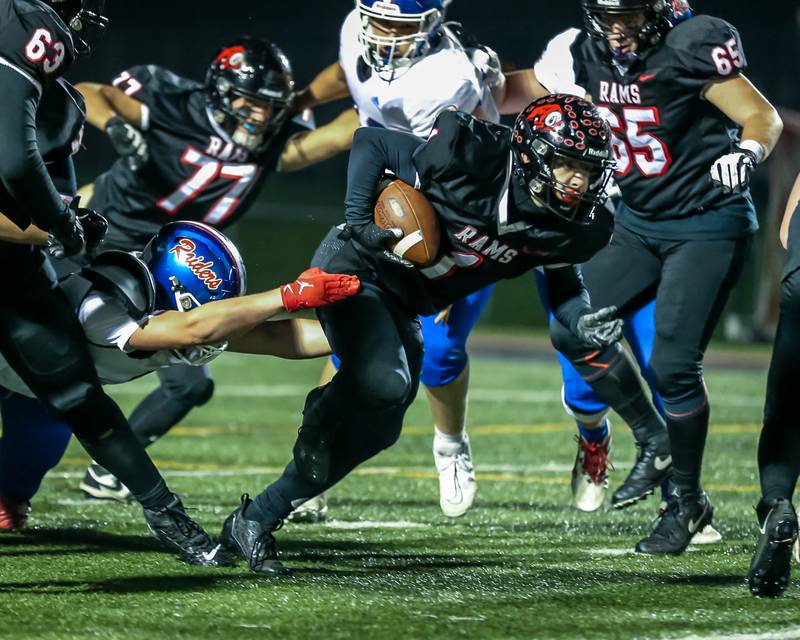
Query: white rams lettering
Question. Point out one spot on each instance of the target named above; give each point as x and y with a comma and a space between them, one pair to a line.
615, 93
227, 151
486, 245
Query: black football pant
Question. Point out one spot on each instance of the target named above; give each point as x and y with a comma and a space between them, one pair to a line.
380, 347
42, 340
691, 281
779, 444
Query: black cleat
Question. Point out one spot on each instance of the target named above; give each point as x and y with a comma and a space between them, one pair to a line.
253, 541
652, 467
312, 454
174, 528
683, 517
771, 564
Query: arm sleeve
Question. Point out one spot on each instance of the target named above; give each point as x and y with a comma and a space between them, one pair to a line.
555, 70
105, 321
22, 170
566, 294
376, 151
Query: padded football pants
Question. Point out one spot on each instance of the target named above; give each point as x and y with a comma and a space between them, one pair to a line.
691, 281
779, 444
380, 347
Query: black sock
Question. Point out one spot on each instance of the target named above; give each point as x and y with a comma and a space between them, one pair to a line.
687, 423
120, 453
157, 414
612, 376
778, 460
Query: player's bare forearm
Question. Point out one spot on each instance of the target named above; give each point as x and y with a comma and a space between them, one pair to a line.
9, 232
294, 339
311, 147
212, 323
104, 102
521, 88
738, 99
791, 207
330, 84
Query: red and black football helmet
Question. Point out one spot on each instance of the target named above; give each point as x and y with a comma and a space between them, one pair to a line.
568, 127
255, 69
659, 17
85, 19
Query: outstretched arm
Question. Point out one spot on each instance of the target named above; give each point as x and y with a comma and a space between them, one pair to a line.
104, 102
330, 84
221, 320
293, 339
310, 147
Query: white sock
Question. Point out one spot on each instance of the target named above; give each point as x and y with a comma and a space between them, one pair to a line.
446, 444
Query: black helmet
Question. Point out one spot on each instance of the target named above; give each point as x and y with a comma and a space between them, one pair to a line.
659, 17
85, 20
256, 69
568, 127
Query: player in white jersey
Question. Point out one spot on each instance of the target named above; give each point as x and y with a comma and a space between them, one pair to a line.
182, 301
402, 65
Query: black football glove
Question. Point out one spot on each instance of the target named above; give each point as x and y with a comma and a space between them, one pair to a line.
599, 328
66, 235
95, 227
371, 236
128, 142
731, 172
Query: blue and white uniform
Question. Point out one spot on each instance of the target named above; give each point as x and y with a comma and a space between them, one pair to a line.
410, 101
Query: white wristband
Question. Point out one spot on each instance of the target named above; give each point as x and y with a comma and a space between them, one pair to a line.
756, 148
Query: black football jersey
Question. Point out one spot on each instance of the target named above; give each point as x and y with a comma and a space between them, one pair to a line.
59, 131
666, 135
34, 41
194, 171
490, 229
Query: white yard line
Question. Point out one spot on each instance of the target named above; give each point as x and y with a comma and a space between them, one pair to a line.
375, 524
792, 633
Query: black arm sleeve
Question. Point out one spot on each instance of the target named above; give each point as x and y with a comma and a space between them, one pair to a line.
566, 294
22, 171
374, 152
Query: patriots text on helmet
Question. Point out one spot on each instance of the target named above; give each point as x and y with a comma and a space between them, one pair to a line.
184, 250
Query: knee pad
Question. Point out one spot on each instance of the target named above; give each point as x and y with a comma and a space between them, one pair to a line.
390, 389
194, 393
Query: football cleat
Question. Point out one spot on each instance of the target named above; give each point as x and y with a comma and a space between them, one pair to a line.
590, 473
101, 484
13, 514
652, 467
311, 511
677, 525
706, 535
253, 541
457, 486
771, 565
172, 526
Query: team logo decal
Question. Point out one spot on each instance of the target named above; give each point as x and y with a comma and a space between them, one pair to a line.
231, 58
185, 251
547, 117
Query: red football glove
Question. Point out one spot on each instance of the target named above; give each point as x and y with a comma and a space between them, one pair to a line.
315, 288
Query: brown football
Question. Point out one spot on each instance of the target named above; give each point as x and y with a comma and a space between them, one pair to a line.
401, 206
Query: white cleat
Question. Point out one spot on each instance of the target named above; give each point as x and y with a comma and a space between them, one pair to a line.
457, 484
312, 511
590, 473
707, 535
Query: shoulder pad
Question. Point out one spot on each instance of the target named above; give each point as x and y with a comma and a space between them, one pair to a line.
124, 276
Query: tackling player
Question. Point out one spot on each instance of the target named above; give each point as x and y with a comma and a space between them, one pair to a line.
182, 301
779, 445
401, 64
39, 335
507, 201
200, 151
688, 129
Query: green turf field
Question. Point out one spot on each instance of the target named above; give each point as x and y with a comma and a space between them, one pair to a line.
522, 564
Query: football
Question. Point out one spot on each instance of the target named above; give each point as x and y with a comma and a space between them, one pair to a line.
401, 206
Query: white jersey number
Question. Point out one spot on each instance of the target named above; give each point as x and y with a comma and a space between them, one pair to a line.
209, 171
632, 146
38, 47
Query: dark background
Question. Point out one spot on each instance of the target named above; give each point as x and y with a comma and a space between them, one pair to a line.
278, 235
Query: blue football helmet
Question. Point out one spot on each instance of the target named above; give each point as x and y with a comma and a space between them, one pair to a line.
395, 33
193, 263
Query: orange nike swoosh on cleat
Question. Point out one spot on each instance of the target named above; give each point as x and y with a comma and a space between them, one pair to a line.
647, 76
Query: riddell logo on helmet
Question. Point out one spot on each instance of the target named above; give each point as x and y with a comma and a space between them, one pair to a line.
546, 117
185, 252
